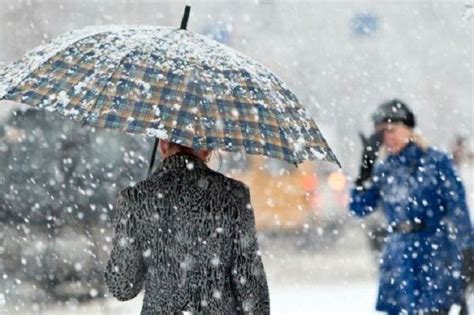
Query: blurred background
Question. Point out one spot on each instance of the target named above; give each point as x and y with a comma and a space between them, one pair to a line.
58, 181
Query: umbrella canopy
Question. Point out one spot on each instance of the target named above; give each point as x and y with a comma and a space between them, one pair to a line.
170, 84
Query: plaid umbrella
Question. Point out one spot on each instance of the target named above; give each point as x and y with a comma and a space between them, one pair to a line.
166, 83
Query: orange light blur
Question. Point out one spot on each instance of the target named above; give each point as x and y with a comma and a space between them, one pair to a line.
309, 183
337, 181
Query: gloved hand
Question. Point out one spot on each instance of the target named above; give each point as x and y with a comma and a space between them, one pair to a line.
468, 265
371, 147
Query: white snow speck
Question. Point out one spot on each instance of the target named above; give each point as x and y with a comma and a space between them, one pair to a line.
157, 133
215, 261
157, 111
63, 98
147, 253
216, 294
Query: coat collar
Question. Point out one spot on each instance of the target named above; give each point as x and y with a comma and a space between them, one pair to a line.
411, 152
181, 161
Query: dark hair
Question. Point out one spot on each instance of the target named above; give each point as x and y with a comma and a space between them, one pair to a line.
182, 148
394, 111
186, 150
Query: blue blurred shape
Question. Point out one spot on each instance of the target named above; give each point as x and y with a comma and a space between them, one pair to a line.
217, 32
365, 24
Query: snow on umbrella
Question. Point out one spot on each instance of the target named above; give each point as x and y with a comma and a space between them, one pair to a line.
169, 84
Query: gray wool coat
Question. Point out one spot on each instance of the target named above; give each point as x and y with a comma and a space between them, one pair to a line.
187, 235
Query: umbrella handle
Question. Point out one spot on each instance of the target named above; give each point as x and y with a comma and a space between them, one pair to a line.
153, 154
184, 21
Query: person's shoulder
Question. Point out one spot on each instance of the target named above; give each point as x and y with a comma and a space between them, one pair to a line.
437, 155
130, 193
232, 185
152, 183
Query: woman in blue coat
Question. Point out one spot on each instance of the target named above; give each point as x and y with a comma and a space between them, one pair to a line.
424, 202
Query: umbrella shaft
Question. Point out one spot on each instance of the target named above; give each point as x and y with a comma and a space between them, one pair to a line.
184, 21
153, 154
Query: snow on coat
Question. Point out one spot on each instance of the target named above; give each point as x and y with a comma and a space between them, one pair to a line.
420, 270
187, 234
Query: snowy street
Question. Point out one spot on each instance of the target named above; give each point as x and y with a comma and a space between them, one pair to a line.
337, 280
333, 299
352, 298
313, 156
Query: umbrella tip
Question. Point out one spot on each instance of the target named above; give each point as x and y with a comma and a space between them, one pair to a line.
184, 21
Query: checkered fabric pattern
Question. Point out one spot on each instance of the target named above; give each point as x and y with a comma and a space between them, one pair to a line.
166, 83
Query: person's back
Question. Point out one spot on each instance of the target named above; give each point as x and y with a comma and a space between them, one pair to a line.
188, 234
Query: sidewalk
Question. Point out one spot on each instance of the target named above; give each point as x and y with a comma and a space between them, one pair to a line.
337, 278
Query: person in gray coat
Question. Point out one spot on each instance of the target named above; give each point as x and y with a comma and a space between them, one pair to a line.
187, 235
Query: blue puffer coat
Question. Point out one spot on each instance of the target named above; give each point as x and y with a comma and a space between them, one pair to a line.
420, 270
